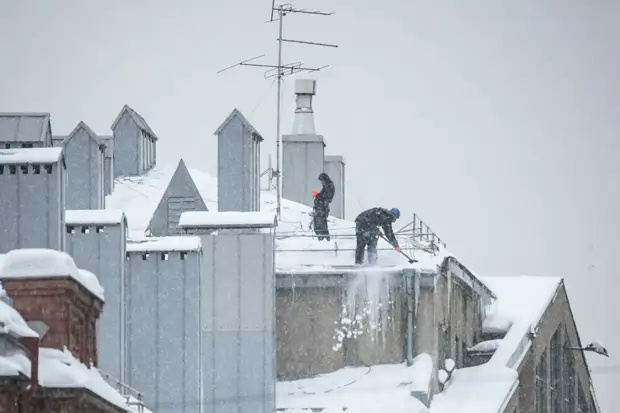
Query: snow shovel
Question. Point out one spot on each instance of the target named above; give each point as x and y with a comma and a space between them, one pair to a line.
411, 260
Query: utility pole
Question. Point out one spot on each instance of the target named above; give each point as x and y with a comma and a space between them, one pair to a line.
279, 71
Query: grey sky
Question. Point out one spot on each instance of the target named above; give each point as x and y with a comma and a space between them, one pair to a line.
498, 123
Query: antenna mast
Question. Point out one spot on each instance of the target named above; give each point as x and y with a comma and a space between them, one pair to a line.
279, 71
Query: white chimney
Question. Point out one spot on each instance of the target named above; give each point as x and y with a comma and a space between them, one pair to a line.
304, 115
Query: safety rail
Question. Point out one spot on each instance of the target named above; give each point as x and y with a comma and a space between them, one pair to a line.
132, 396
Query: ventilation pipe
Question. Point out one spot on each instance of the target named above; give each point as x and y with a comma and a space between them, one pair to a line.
303, 123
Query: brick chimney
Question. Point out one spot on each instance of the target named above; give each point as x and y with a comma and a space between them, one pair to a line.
57, 301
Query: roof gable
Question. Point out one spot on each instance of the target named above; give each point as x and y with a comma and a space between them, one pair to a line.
25, 127
89, 132
181, 185
237, 114
139, 121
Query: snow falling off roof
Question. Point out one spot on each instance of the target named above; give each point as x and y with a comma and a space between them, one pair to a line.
522, 300
30, 156
480, 389
40, 263
231, 219
94, 216
59, 369
356, 390
139, 196
164, 244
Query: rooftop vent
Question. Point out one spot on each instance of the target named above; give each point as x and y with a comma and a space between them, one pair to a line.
304, 115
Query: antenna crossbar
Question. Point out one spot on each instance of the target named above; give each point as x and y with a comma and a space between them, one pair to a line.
309, 43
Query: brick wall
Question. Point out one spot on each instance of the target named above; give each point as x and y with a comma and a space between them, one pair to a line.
67, 307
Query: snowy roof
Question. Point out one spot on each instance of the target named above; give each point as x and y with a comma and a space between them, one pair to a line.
43, 263
94, 216
479, 389
24, 127
522, 301
296, 243
31, 155
358, 390
136, 118
91, 134
59, 369
11, 322
520, 305
164, 244
237, 114
230, 219
139, 196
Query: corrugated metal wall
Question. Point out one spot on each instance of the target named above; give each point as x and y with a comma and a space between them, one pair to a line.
163, 328
238, 312
100, 249
32, 206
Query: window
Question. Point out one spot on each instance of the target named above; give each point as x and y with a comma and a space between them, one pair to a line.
99, 229
36, 169
7, 146
164, 256
85, 230
48, 169
1, 169
24, 169
555, 377
582, 405
70, 229
12, 169
145, 256
26, 145
569, 381
183, 254
541, 384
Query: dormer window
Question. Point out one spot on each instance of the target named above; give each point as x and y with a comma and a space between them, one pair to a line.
36, 169
48, 169
12, 169
24, 169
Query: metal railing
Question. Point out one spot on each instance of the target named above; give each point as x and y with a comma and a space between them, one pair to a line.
133, 397
420, 231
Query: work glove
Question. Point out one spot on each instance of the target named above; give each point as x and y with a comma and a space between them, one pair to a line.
397, 248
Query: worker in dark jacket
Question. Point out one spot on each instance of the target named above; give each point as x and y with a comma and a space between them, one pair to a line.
321, 206
367, 230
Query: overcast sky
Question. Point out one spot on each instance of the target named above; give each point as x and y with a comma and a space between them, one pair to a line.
498, 124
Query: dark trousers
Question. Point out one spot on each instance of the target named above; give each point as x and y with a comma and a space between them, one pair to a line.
366, 237
320, 224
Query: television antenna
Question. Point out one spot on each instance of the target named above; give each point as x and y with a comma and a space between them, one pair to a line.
279, 71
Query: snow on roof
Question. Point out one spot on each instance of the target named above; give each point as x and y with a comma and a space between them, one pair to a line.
479, 389
356, 390
30, 155
522, 300
296, 243
94, 216
139, 196
230, 219
59, 369
11, 322
164, 244
38, 263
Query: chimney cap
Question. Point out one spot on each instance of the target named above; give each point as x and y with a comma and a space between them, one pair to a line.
45, 263
305, 87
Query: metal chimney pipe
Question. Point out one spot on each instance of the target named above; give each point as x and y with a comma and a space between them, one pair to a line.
304, 114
